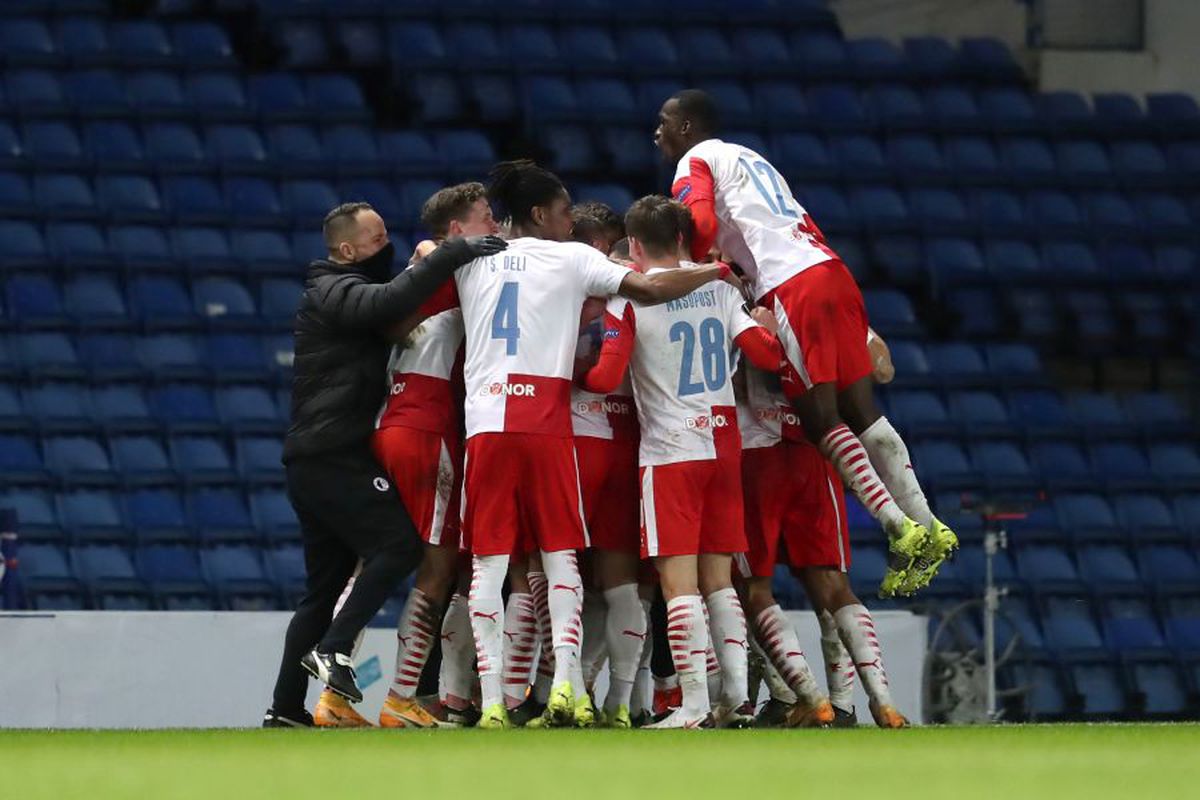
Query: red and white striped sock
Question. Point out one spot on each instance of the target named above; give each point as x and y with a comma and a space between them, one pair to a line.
542, 684
782, 646
839, 667
565, 598
889, 456
729, 641
857, 629
625, 629
414, 640
849, 457
487, 623
686, 634
712, 667
776, 686
458, 655
520, 643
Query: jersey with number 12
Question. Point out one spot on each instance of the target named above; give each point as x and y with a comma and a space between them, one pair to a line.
760, 225
521, 313
681, 367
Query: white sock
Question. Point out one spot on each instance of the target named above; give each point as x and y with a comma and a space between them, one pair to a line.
712, 667
625, 630
776, 686
458, 654
594, 647
729, 641
414, 640
846, 453
839, 668
686, 633
640, 698
541, 609
520, 641
857, 629
890, 458
487, 623
565, 598
781, 644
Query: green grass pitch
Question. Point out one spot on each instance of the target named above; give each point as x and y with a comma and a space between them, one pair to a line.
1145, 762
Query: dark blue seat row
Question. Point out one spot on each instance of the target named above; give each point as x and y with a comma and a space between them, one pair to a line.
94, 41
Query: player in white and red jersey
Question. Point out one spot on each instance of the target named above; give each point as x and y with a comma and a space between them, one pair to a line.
679, 357
795, 514
742, 204
521, 315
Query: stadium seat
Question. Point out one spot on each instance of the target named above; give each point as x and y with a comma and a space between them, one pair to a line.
837, 107
286, 567
238, 577
1176, 466
1100, 690
110, 578
64, 197
129, 198
184, 408
1068, 622
1147, 518
256, 201
157, 515
48, 356
1174, 114
1130, 625
172, 574
91, 516
220, 515
1061, 465
45, 570
12, 414
1108, 568
259, 460
436, 98
37, 517
52, 144
273, 515
78, 460
982, 414
203, 44
1083, 163
1162, 690
1117, 114
920, 414
1156, 413
1121, 466
141, 461
1168, 567
944, 465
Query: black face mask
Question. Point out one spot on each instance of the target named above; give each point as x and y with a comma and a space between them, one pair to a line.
379, 264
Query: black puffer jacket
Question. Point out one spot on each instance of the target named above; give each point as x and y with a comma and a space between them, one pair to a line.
341, 358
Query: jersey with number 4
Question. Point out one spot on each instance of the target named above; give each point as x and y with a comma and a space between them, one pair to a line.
521, 313
680, 368
760, 226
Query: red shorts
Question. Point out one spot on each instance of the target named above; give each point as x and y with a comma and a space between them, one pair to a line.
795, 511
823, 328
521, 489
693, 507
608, 483
426, 468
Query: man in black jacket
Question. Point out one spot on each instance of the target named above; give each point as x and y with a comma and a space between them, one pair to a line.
346, 506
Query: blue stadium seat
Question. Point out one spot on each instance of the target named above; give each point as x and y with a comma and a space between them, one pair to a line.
837, 107
421, 41
436, 98
971, 562
1008, 110
221, 515
1064, 112
550, 99
1100, 415
82, 246
1017, 617
141, 461
140, 247
1018, 363
1068, 622
613, 195
571, 148
822, 53
236, 148
989, 60
1002, 210
308, 201
286, 567
954, 108
829, 207
172, 574
916, 158
157, 94
804, 155
1162, 691
45, 570
296, 150
109, 578
761, 51
1156, 413
64, 197
184, 408
939, 210
1083, 163
469, 153
256, 202
1029, 161
1061, 465
477, 46
174, 147
706, 51
931, 57
1117, 114
891, 313
157, 515
274, 516
223, 301
129, 198
217, 96
121, 408
262, 252
592, 49
34, 301
36, 91
1128, 622
238, 577
958, 364
737, 109
203, 44
981, 414
141, 43
78, 460
114, 146
50, 144
171, 357
880, 208
1109, 568
47, 356
247, 409
409, 153
1047, 567
1177, 466
1168, 567
781, 106
259, 460
37, 518
1163, 215
627, 150
493, 96
201, 460
648, 51
874, 59
955, 261
362, 41
303, 44
1003, 466
12, 415
352, 150
944, 465
202, 250
91, 516
1111, 213
1121, 466
1099, 688
869, 566
1139, 163
27, 42
1054, 213
860, 156
16, 195
1174, 114
306, 246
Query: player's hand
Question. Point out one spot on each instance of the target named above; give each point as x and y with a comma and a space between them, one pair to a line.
733, 280
765, 318
424, 248
473, 247
882, 369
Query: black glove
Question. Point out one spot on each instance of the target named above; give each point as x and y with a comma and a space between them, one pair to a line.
467, 249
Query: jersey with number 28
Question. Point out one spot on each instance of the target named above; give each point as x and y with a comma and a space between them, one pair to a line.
681, 367
760, 226
521, 313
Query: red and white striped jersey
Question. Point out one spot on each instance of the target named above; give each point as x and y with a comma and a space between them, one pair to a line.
420, 376
521, 313
610, 416
760, 225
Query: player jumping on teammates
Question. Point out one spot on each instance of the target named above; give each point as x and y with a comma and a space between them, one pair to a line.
741, 203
